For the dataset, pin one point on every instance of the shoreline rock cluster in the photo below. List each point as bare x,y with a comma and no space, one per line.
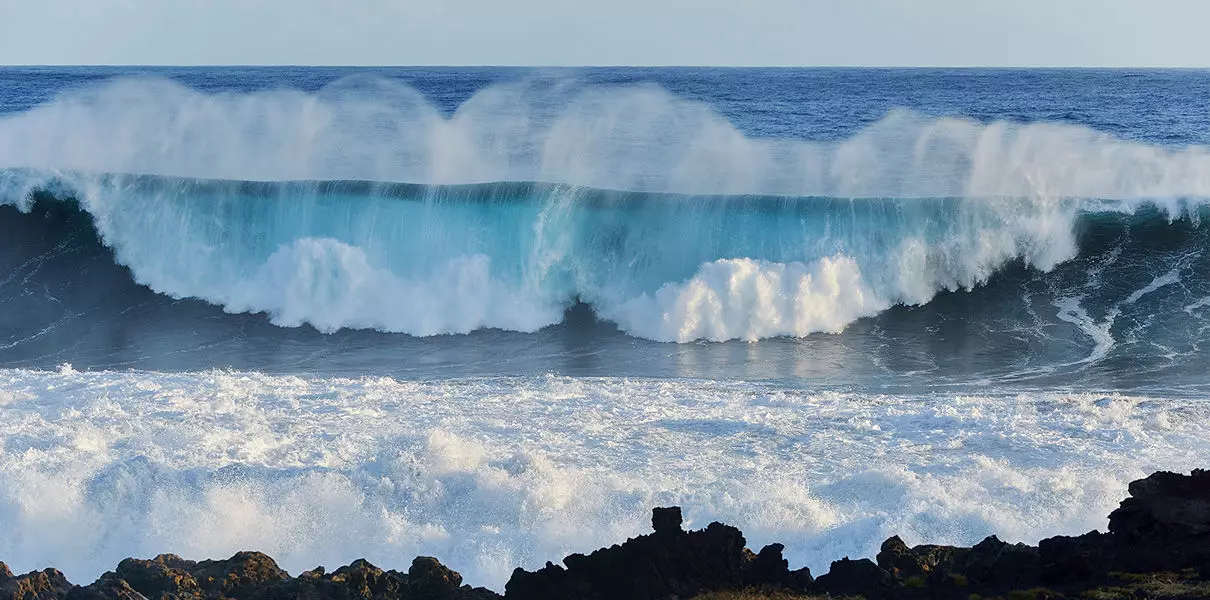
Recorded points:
1157,546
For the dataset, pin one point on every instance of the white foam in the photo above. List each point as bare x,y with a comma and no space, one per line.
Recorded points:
621,137
751,300
488,474
332,285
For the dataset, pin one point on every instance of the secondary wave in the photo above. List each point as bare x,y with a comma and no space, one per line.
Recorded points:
260,203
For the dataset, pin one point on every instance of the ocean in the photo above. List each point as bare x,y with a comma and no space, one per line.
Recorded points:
494,315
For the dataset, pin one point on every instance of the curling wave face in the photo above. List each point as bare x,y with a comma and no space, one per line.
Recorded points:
265,202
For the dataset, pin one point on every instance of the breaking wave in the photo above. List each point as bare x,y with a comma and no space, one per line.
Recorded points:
530,198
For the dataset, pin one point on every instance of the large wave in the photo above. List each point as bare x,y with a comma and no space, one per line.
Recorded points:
653,209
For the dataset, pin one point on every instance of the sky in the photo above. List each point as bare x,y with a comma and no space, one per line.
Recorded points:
1129,33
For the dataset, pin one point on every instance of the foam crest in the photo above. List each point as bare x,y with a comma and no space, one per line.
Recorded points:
637,138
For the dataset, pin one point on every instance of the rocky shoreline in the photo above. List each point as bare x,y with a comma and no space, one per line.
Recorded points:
1157,546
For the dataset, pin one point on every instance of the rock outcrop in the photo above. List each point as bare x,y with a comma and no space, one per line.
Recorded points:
245,576
1157,546
668,563
48,584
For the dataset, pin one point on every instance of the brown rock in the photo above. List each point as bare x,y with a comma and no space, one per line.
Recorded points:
49,584
106,588
237,576
924,562
428,578
163,577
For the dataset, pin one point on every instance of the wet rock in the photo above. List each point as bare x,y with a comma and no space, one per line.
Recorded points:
668,563
38,585
857,578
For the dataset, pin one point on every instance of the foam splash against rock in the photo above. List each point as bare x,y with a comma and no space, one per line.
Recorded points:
1159,539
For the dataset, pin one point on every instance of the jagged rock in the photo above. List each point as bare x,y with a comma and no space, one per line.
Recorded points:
769,569
1164,524
38,585
109,588
666,520
237,576
668,563
364,580
163,577
923,562
1074,559
990,564
1000,565
857,577
428,579
1158,546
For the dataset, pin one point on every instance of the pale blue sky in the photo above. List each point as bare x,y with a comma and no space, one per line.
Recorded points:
608,32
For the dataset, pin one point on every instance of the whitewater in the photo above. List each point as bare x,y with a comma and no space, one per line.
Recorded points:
330,315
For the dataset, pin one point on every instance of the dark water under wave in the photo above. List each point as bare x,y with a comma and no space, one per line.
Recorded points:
1130,309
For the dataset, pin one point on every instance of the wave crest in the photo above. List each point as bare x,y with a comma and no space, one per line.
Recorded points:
717,236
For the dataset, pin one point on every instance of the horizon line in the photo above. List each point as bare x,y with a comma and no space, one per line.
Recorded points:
610,66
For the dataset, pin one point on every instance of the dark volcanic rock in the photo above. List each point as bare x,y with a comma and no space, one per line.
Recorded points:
990,564
1073,559
38,585
1164,524
770,569
857,577
999,565
667,563
666,520
428,579
923,562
